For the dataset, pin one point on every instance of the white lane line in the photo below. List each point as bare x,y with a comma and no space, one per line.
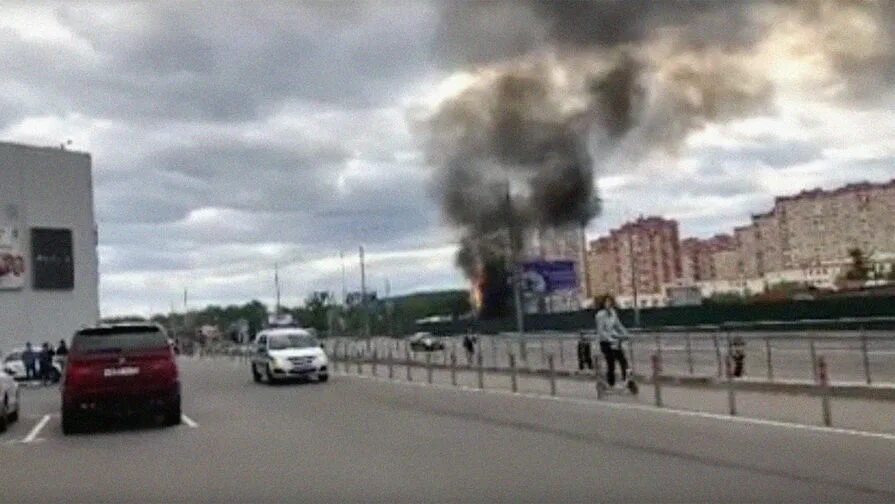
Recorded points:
189,422
36,430
643,407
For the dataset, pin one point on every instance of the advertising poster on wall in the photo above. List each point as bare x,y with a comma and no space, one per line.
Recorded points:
12,261
52,257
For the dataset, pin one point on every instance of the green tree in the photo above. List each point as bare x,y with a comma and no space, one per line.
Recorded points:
859,270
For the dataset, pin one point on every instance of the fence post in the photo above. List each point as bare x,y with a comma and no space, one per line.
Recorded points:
543,353
375,360
523,351
391,366
454,368
865,356
347,355
407,362
429,367
562,357
813,359
657,385
598,376
824,382
513,379
360,359
717,352
689,353
767,346
552,368
493,351
633,359
480,361
731,392
659,345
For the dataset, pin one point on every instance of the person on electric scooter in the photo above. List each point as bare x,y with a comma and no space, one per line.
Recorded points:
611,333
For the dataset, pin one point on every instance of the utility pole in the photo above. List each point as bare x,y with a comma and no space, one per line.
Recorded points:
388,305
634,277
363,292
276,281
514,266
344,283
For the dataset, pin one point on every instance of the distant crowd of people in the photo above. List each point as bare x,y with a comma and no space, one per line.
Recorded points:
39,363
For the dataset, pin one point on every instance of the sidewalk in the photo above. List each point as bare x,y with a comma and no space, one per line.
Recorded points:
859,414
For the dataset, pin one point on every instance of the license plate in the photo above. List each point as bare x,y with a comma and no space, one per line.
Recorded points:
122,371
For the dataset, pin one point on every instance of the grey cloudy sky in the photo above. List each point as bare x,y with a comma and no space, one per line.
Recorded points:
230,136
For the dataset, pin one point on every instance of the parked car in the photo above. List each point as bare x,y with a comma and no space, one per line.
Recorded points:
9,400
13,366
285,353
120,370
425,342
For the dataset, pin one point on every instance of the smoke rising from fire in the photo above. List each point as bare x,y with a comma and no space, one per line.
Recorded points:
552,91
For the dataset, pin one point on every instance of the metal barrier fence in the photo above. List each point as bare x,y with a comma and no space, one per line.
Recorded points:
851,356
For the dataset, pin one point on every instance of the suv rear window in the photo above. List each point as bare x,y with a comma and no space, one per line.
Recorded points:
114,339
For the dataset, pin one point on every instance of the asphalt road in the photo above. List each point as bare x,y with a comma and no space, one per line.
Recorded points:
356,439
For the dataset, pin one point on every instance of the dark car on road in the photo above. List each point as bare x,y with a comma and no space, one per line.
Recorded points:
120,371
425,342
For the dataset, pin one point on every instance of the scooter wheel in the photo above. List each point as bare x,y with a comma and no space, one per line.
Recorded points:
633,388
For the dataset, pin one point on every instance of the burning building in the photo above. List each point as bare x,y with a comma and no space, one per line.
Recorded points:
546,94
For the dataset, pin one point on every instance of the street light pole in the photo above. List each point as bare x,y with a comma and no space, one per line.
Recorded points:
634,277
514,266
363,292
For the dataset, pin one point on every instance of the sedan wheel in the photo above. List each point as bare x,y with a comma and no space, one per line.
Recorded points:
3,416
256,376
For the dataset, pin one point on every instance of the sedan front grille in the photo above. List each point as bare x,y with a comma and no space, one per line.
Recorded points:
301,360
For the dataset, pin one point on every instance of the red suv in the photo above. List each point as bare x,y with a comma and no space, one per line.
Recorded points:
119,370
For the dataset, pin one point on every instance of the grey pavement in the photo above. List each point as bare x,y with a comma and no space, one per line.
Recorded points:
362,440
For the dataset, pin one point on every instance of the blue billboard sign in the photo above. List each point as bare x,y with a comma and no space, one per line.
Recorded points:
549,276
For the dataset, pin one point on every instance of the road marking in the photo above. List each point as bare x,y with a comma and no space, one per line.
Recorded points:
189,422
644,407
36,430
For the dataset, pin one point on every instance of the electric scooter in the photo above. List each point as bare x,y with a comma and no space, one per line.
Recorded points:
630,387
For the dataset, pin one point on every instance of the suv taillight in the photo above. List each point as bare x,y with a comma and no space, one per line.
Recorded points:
75,371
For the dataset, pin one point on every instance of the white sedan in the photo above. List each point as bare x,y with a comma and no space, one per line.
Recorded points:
9,400
13,366
288,353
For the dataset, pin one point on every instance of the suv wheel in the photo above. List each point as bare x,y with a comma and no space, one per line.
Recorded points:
323,378
269,374
255,374
4,419
70,423
172,414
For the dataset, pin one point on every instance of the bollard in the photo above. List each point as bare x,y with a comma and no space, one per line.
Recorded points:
360,364
347,355
375,360
479,359
731,397
543,353
429,367
454,369
866,357
598,375
493,351
631,353
824,382
659,346
767,346
813,359
717,353
552,369
657,385
523,351
689,353
514,385
391,366
562,357
407,363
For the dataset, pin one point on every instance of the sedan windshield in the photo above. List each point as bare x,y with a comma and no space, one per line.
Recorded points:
283,341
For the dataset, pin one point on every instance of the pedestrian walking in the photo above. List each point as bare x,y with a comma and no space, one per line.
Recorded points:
29,359
738,355
585,358
611,333
46,363
469,346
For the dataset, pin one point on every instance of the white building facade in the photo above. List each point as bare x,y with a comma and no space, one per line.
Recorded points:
48,245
